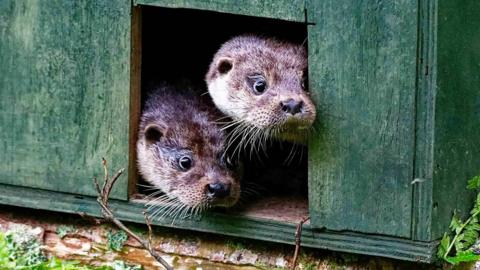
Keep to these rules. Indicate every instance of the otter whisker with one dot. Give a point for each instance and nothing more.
(177, 213)
(289, 158)
(148, 187)
(163, 207)
(173, 215)
(235, 134)
(195, 211)
(249, 131)
(255, 146)
(250, 139)
(162, 199)
(301, 155)
(251, 191)
(153, 195)
(223, 117)
(185, 211)
(242, 132)
(168, 211)
(159, 210)
(231, 124)
(157, 204)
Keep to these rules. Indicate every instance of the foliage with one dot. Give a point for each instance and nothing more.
(462, 247)
(235, 245)
(121, 265)
(21, 253)
(63, 230)
(116, 240)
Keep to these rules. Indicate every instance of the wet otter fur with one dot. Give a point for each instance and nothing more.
(180, 152)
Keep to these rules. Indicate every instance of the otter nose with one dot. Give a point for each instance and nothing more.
(291, 106)
(218, 190)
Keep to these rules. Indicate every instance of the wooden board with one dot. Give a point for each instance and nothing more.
(289, 10)
(289, 209)
(422, 202)
(64, 92)
(457, 110)
(362, 70)
(230, 224)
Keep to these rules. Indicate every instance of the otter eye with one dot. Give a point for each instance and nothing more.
(259, 87)
(185, 163)
(258, 84)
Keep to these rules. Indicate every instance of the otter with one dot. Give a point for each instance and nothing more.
(180, 152)
(261, 84)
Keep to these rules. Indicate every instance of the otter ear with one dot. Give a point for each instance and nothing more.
(154, 132)
(224, 65)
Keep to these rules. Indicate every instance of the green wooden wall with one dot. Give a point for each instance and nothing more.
(397, 85)
(64, 92)
(457, 110)
(362, 70)
(290, 10)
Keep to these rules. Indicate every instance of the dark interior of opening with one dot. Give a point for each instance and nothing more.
(179, 44)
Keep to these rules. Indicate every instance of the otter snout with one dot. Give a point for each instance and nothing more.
(218, 190)
(291, 106)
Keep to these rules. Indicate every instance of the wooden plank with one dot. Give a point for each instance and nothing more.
(64, 92)
(289, 10)
(135, 97)
(222, 223)
(457, 110)
(362, 59)
(425, 121)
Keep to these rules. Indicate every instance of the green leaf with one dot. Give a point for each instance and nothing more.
(470, 236)
(121, 265)
(459, 246)
(475, 226)
(63, 230)
(442, 248)
(464, 256)
(456, 223)
(115, 241)
(474, 183)
(27, 255)
(477, 203)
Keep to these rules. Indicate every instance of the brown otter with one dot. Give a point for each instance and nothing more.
(260, 83)
(180, 151)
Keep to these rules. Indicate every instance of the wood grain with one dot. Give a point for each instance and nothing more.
(289, 10)
(362, 61)
(135, 97)
(64, 92)
(457, 110)
(228, 224)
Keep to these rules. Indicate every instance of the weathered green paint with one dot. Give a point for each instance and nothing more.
(239, 226)
(64, 92)
(457, 110)
(424, 129)
(397, 86)
(290, 10)
(362, 69)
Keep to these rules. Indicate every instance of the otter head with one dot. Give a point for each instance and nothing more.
(261, 83)
(184, 159)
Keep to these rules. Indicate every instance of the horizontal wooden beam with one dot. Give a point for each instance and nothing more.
(288, 10)
(221, 223)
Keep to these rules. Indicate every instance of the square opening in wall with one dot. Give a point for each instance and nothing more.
(177, 49)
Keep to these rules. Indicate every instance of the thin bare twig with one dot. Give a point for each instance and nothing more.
(102, 199)
(298, 241)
